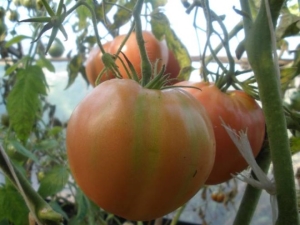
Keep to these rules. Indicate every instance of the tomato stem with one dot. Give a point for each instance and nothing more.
(94, 20)
(260, 55)
(177, 215)
(125, 39)
(146, 65)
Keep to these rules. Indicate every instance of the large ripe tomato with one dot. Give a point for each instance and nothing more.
(239, 111)
(139, 153)
(155, 50)
(94, 65)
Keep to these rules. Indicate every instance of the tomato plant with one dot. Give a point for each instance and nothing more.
(35, 142)
(139, 153)
(94, 65)
(240, 112)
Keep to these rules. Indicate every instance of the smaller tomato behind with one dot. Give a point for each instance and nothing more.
(172, 68)
(94, 65)
(239, 111)
(156, 51)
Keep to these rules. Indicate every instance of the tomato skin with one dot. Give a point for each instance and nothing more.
(240, 112)
(139, 153)
(94, 65)
(155, 50)
(172, 68)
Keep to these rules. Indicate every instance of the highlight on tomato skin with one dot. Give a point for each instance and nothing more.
(239, 111)
(136, 161)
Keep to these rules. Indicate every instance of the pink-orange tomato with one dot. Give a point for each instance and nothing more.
(139, 153)
(238, 110)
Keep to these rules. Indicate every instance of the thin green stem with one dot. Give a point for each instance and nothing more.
(146, 65)
(177, 215)
(125, 39)
(94, 20)
(231, 34)
(260, 54)
(252, 194)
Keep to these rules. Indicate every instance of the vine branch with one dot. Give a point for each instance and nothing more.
(258, 44)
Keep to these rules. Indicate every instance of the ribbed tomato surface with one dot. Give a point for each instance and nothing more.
(139, 153)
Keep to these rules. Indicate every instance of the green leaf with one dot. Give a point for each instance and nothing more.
(54, 181)
(287, 75)
(296, 62)
(4, 222)
(122, 16)
(74, 67)
(22, 150)
(289, 25)
(46, 63)
(157, 3)
(295, 145)
(13, 67)
(56, 207)
(83, 205)
(13, 207)
(160, 28)
(83, 15)
(15, 40)
(47, 144)
(23, 101)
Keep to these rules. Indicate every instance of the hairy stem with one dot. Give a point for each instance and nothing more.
(146, 65)
(258, 45)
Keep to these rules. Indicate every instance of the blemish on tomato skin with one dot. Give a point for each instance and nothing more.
(195, 173)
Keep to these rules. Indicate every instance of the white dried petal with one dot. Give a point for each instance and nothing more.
(241, 141)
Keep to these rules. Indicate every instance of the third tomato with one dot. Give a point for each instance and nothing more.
(239, 111)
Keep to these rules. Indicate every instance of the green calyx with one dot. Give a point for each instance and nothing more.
(53, 22)
(157, 81)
